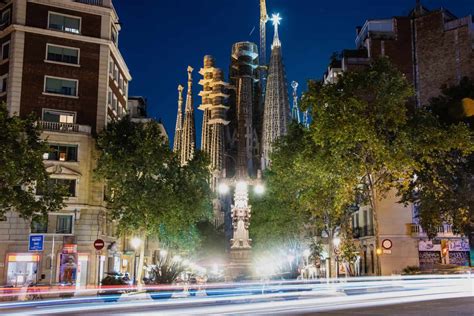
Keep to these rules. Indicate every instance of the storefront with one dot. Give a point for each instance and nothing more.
(22, 268)
(443, 252)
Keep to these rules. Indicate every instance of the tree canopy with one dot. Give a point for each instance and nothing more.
(22, 169)
(148, 191)
(366, 138)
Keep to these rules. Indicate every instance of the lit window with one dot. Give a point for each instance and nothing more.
(64, 23)
(5, 50)
(63, 54)
(61, 86)
(61, 153)
(58, 117)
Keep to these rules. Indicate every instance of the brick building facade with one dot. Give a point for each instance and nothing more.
(432, 49)
(60, 60)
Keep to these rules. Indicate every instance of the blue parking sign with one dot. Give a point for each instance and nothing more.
(36, 243)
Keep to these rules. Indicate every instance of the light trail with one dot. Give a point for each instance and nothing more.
(272, 296)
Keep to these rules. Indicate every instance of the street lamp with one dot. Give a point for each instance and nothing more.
(259, 189)
(135, 242)
(336, 242)
(223, 188)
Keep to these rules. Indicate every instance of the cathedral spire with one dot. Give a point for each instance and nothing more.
(276, 20)
(179, 123)
(277, 107)
(189, 132)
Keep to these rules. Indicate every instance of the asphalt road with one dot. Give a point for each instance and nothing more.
(445, 307)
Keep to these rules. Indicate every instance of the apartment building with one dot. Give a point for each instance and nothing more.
(432, 49)
(60, 60)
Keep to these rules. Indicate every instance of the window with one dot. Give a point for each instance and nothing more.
(111, 67)
(64, 224)
(64, 23)
(109, 97)
(125, 88)
(5, 19)
(60, 86)
(3, 83)
(58, 117)
(116, 73)
(5, 50)
(67, 55)
(39, 225)
(69, 184)
(61, 153)
(114, 103)
(120, 81)
(114, 36)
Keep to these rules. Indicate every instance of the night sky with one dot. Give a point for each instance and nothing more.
(160, 38)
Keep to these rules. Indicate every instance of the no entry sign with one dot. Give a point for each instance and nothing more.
(99, 244)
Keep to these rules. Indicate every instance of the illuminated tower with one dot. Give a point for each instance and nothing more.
(189, 132)
(243, 77)
(263, 49)
(295, 111)
(277, 107)
(178, 133)
(214, 99)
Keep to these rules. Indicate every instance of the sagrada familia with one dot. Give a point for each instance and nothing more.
(242, 117)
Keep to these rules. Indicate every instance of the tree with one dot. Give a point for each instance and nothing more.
(22, 169)
(369, 135)
(305, 196)
(148, 191)
(442, 189)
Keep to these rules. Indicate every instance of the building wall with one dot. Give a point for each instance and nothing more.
(444, 56)
(33, 99)
(398, 49)
(395, 225)
(26, 69)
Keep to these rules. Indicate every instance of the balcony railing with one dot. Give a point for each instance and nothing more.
(417, 230)
(99, 3)
(65, 127)
(364, 231)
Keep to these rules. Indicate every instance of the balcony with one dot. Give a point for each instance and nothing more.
(65, 127)
(99, 3)
(364, 231)
(443, 231)
(374, 27)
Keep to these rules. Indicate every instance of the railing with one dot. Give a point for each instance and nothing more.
(65, 127)
(385, 26)
(99, 3)
(442, 230)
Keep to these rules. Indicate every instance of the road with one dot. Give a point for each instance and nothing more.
(431, 295)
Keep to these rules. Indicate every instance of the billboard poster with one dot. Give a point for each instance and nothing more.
(428, 245)
(68, 268)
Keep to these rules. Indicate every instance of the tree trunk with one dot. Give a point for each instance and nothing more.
(139, 272)
(373, 205)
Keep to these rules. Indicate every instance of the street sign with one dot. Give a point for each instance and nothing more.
(99, 244)
(387, 244)
(387, 251)
(36, 243)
